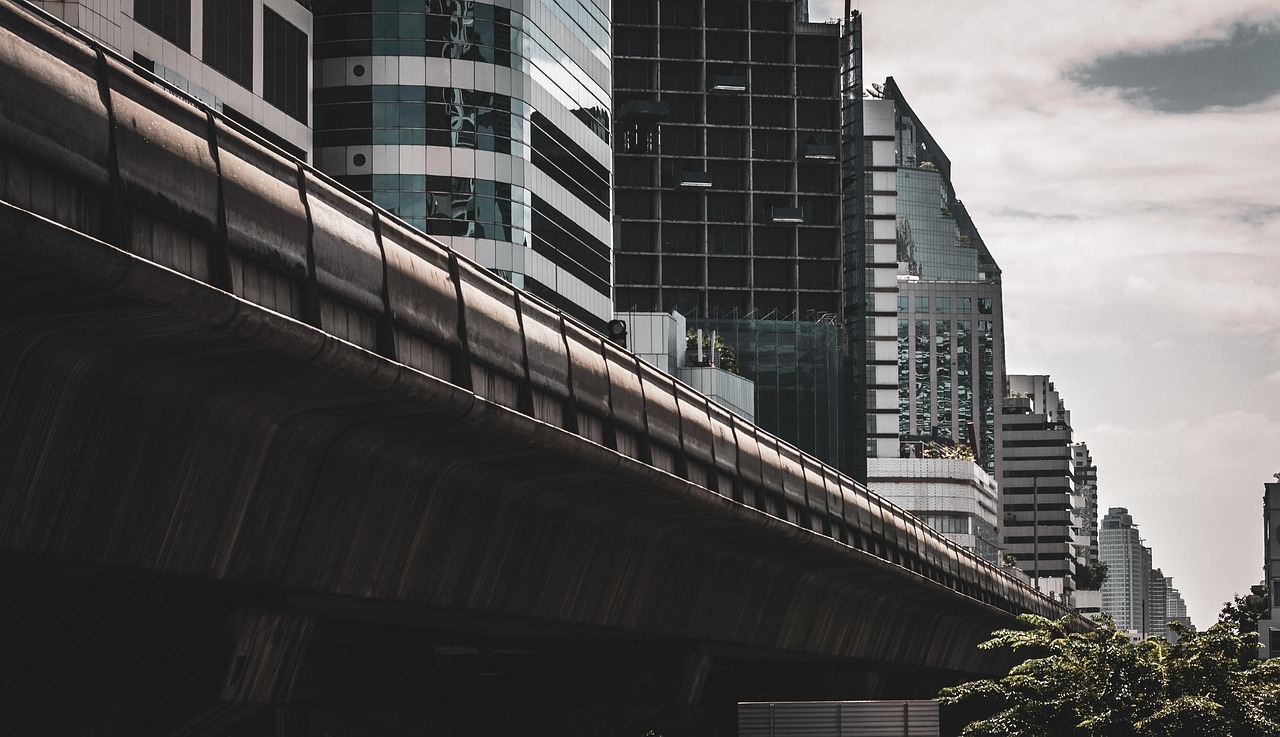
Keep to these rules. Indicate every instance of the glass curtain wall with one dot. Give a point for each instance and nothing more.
(484, 126)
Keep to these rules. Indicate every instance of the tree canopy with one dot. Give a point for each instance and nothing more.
(1091, 577)
(1100, 684)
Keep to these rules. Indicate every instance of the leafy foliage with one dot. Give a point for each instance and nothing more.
(949, 451)
(1244, 612)
(726, 357)
(1099, 684)
(1091, 577)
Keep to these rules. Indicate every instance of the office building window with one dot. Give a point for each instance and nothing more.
(228, 39)
(924, 376)
(284, 65)
(953, 524)
(904, 376)
(942, 373)
(169, 19)
(964, 374)
(986, 394)
(922, 304)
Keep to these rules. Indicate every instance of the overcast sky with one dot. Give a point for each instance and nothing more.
(1122, 162)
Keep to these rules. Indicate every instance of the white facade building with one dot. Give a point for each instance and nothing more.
(248, 59)
(955, 497)
(1087, 603)
(1041, 522)
(1140, 598)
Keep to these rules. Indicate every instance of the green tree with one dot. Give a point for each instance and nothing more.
(1091, 577)
(1099, 684)
(948, 451)
(726, 357)
(1245, 611)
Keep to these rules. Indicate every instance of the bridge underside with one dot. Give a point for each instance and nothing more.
(189, 478)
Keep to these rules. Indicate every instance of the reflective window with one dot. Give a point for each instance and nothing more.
(942, 349)
(922, 304)
(924, 386)
(460, 118)
(480, 32)
(986, 394)
(964, 304)
(942, 305)
(984, 305)
(479, 208)
(796, 367)
(928, 237)
(952, 524)
(964, 374)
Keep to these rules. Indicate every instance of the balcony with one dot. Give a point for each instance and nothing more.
(693, 178)
(786, 215)
(728, 83)
(819, 152)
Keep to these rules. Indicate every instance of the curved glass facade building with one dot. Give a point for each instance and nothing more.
(484, 124)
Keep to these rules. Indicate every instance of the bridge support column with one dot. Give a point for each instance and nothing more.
(266, 653)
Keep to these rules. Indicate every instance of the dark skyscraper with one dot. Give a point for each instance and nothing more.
(727, 159)
(728, 164)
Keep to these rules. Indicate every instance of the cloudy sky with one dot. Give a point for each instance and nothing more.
(1122, 162)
